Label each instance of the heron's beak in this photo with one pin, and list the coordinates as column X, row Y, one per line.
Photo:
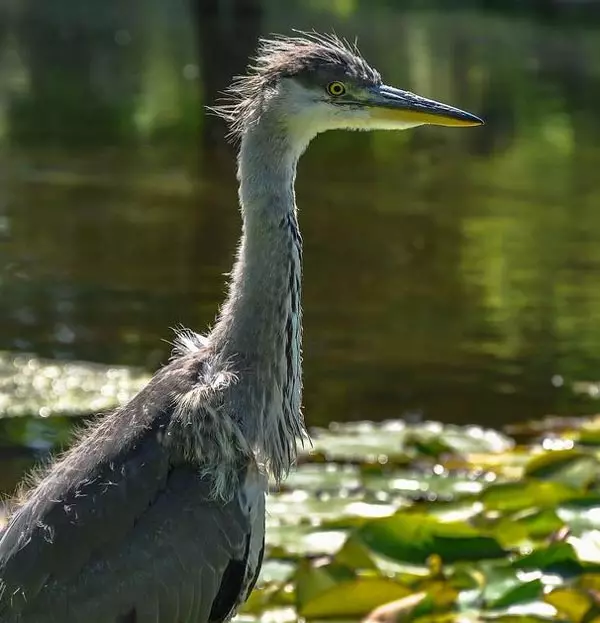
column 390, row 105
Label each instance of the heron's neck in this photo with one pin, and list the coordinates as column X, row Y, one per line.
column 259, row 329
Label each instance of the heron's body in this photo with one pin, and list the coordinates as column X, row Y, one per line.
column 116, row 512
column 157, row 513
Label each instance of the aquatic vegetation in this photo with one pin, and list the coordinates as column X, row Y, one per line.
column 442, row 523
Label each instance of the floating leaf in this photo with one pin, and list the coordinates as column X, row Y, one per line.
column 510, row 533
column 571, row 604
column 513, row 496
column 547, row 464
column 441, row 595
column 312, row 580
column 355, row 555
column 267, row 597
column 589, row 436
column 571, row 467
column 587, row 501
column 427, row 443
column 557, row 557
column 522, row 592
column 467, row 577
column 432, row 440
column 539, row 524
column 590, row 581
column 315, row 478
column 413, row 537
column 353, row 598
column 500, row 578
column 344, row 523
column 521, row 528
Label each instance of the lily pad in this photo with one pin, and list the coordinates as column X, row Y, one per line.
column 520, row 592
column 413, row 537
column 313, row 580
column 355, row 555
column 559, row 558
column 575, row 605
column 574, row 468
column 514, row 496
column 353, row 598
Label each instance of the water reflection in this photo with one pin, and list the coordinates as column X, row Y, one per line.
column 451, row 275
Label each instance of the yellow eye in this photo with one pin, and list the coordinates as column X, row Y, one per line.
column 336, row 88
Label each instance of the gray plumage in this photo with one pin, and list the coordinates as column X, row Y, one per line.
column 157, row 512
column 309, row 58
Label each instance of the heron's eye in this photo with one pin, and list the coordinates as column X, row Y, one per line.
column 336, row 88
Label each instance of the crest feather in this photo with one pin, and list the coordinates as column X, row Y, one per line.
column 281, row 56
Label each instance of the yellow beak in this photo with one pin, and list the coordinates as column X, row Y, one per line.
column 393, row 105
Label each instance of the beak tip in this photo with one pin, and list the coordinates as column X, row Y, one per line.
column 467, row 119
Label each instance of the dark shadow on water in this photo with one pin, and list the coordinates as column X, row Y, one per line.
column 227, row 34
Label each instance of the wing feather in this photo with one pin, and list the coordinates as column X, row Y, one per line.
column 120, row 531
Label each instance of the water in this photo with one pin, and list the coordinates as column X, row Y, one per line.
column 449, row 274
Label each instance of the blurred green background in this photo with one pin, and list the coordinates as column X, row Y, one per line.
column 449, row 275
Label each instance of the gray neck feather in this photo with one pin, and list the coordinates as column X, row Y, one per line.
column 259, row 331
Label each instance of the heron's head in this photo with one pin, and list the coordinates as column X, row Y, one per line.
column 314, row 83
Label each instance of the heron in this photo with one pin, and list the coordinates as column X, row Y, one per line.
column 157, row 511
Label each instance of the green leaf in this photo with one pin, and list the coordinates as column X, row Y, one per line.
column 313, row 580
column 520, row 593
column 571, row 604
column 427, row 443
column 547, row 464
column 343, row 523
column 589, row 436
column 265, row 597
column 510, row 533
column 590, row 582
column 514, row 496
column 589, row 500
column 539, row 524
column 355, row 555
column 557, row 557
column 499, row 579
column 525, row 526
column 353, row 598
column 441, row 595
column 413, row 537
column 574, row 468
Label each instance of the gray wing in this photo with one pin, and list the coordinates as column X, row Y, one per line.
column 169, row 570
column 241, row 576
column 119, row 532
